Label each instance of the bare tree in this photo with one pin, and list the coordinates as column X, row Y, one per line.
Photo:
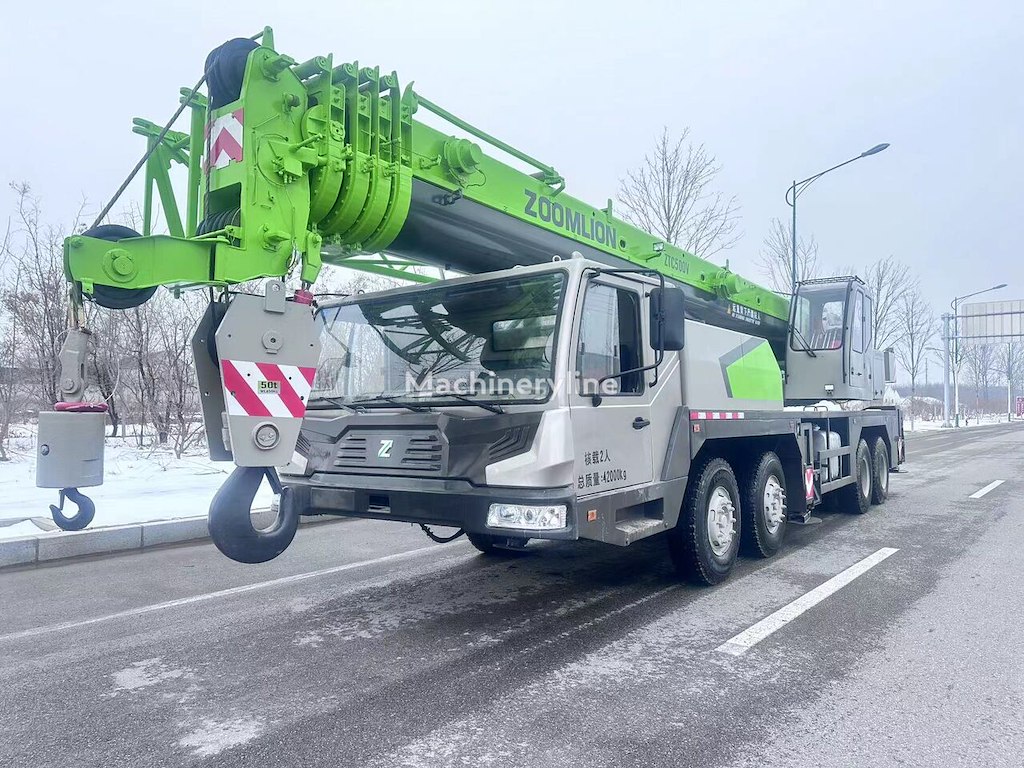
column 980, row 360
column 776, row 257
column 179, row 392
column 108, row 359
column 889, row 282
column 41, row 300
column 11, row 391
column 1010, row 365
column 5, row 247
column 670, row 195
column 142, row 383
column 916, row 326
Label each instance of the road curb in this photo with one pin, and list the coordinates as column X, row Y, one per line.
column 47, row 547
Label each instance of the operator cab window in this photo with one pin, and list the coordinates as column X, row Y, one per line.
column 609, row 341
column 820, row 312
column 857, row 333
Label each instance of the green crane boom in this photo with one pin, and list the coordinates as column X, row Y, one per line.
column 316, row 162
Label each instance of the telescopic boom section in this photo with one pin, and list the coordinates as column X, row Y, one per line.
column 316, row 161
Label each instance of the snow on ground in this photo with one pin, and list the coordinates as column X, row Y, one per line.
column 921, row 425
column 140, row 485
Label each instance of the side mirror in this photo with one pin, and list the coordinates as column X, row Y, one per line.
column 668, row 318
column 890, row 365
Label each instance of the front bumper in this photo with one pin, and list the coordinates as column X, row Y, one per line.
column 432, row 501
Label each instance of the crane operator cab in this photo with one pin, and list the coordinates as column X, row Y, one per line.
column 831, row 352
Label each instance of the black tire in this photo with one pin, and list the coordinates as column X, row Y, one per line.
column 689, row 543
column 110, row 296
column 81, row 519
column 230, row 519
column 497, row 546
column 880, row 468
column 225, row 70
column 856, row 498
column 762, row 530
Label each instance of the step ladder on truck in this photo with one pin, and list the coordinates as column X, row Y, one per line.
column 579, row 379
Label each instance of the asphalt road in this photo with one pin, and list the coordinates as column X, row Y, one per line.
column 365, row 644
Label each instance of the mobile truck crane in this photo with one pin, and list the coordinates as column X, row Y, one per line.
column 582, row 380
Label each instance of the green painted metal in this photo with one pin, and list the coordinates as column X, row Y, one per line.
column 193, row 207
column 329, row 154
column 171, row 149
column 755, row 375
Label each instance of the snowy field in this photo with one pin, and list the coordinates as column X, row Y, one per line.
column 921, row 425
column 140, row 485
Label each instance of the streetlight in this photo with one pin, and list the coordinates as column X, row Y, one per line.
column 955, row 304
column 799, row 186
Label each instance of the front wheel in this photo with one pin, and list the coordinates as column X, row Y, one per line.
column 497, row 546
column 704, row 543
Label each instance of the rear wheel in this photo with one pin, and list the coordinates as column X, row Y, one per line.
column 764, row 508
column 856, row 497
column 497, row 546
column 880, row 466
column 704, row 543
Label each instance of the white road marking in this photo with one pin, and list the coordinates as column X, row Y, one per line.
column 747, row 639
column 219, row 593
column 990, row 487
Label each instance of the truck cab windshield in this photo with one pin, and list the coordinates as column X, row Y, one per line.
column 491, row 341
column 819, row 317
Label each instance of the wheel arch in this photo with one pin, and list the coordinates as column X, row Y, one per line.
column 870, row 433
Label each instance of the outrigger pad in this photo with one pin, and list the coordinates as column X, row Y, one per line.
column 267, row 349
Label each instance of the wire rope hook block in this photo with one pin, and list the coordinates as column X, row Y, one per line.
column 267, row 349
column 69, row 456
column 69, row 442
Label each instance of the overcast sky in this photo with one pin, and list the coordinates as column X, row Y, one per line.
column 776, row 90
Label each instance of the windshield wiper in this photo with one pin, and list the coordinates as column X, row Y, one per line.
column 492, row 407
column 393, row 401
column 807, row 344
column 335, row 401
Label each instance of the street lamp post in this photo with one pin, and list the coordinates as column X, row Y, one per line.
column 1009, row 383
column 955, row 304
column 798, row 187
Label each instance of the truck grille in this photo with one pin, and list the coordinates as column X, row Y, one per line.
column 423, row 454
column 417, row 453
column 351, row 451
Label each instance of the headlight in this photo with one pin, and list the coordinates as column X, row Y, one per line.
column 542, row 518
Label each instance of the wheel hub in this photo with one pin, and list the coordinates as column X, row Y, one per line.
column 721, row 521
column 865, row 477
column 774, row 505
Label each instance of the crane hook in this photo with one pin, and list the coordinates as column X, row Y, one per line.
column 230, row 518
column 81, row 519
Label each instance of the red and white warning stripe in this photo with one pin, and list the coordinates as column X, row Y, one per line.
column 717, row 415
column 224, row 138
column 266, row 389
column 809, row 483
